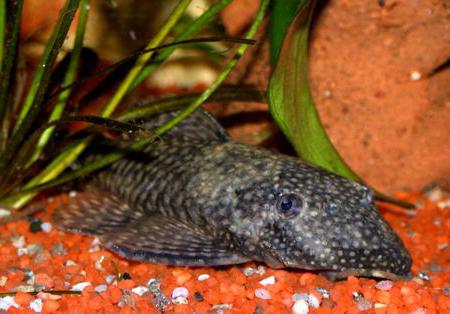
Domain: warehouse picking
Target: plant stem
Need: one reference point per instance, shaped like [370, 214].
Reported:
[2, 29]
[11, 14]
[142, 60]
[68, 79]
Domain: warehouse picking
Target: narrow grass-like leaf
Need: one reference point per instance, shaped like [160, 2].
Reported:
[292, 105]
[155, 106]
[281, 16]
[38, 88]
[124, 88]
[291, 102]
[70, 154]
[128, 60]
[192, 29]
[19, 199]
[2, 28]
[68, 79]
[11, 13]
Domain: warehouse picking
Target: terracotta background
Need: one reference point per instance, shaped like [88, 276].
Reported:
[374, 79]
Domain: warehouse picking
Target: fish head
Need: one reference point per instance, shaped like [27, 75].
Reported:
[306, 217]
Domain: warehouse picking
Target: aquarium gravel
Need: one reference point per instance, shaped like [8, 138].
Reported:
[46, 270]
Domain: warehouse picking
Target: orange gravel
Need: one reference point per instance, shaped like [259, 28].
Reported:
[51, 260]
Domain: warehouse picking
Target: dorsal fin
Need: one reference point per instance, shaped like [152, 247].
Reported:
[199, 125]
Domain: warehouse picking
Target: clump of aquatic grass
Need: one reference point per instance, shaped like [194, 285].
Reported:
[27, 131]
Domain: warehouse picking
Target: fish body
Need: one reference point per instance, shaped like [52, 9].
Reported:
[198, 198]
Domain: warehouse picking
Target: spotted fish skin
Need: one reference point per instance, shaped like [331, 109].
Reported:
[197, 198]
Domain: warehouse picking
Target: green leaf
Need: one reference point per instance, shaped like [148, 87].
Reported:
[10, 14]
[70, 75]
[281, 16]
[38, 89]
[290, 100]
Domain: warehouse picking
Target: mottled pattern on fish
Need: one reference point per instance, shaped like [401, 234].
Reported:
[195, 197]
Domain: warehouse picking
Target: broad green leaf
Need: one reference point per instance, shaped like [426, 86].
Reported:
[291, 102]
[281, 15]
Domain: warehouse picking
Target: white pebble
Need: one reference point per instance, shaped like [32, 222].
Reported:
[69, 262]
[7, 302]
[415, 75]
[202, 277]
[384, 285]
[300, 297]
[260, 270]
[95, 241]
[18, 242]
[22, 251]
[313, 301]
[101, 288]
[420, 310]
[72, 193]
[110, 278]
[46, 227]
[379, 305]
[248, 271]
[300, 307]
[140, 290]
[80, 286]
[3, 280]
[262, 294]
[180, 300]
[268, 281]
[36, 305]
[180, 292]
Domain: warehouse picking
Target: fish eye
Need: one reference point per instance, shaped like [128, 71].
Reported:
[289, 205]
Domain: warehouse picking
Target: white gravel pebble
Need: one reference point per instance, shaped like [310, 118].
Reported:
[202, 277]
[140, 290]
[80, 286]
[415, 75]
[180, 292]
[313, 301]
[7, 302]
[69, 263]
[300, 307]
[18, 242]
[36, 305]
[300, 297]
[3, 280]
[46, 227]
[268, 281]
[110, 278]
[260, 270]
[101, 288]
[384, 285]
[262, 294]
[379, 305]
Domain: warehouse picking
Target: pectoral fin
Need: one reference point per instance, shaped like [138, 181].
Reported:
[139, 236]
[165, 240]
